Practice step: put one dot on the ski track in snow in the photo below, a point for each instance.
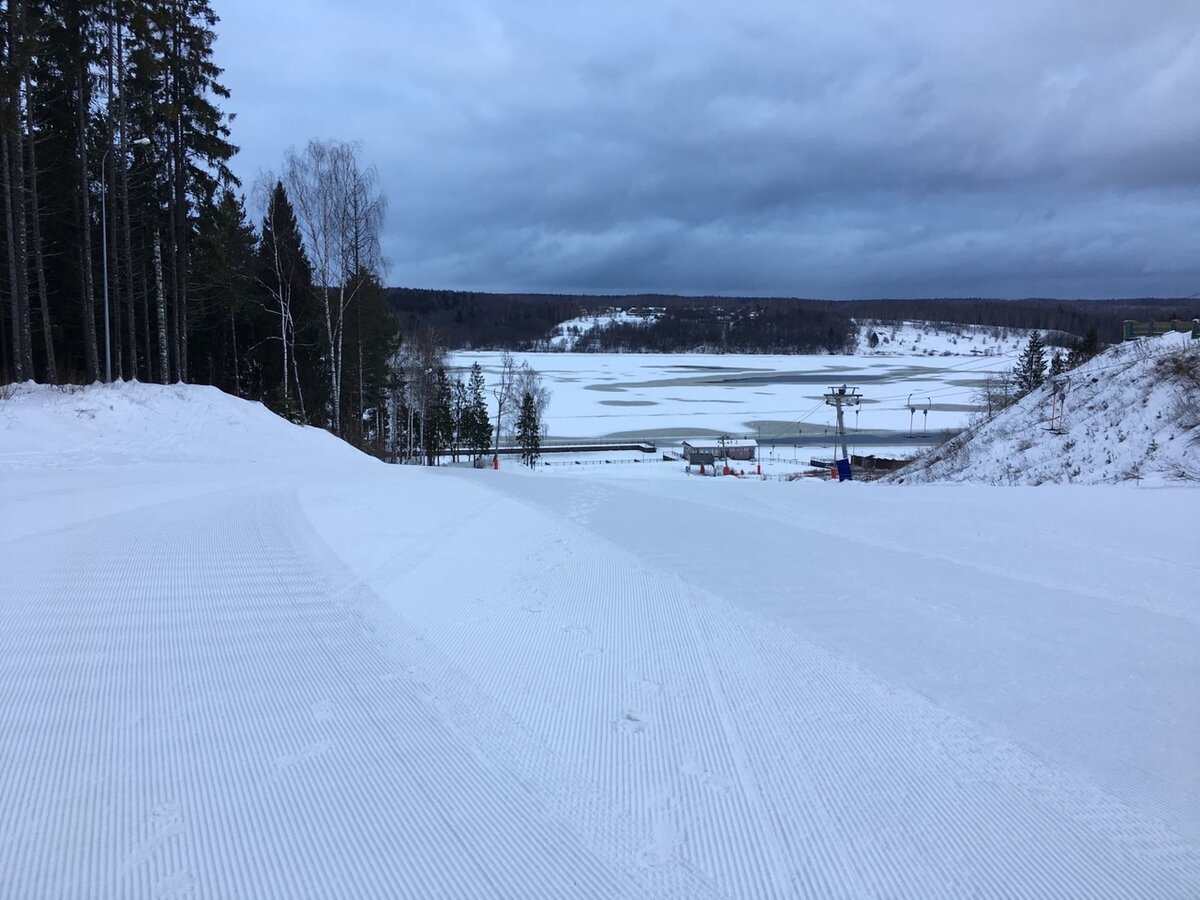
(852, 786)
(237, 733)
(332, 680)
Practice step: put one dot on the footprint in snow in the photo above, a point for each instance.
(646, 685)
(310, 751)
(322, 711)
(630, 723)
(181, 884)
(165, 819)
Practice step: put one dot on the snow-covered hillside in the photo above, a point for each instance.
(121, 424)
(238, 659)
(566, 334)
(1131, 414)
(937, 339)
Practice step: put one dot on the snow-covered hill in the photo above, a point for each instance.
(904, 338)
(122, 424)
(566, 334)
(1132, 414)
(239, 659)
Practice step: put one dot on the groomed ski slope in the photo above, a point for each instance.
(238, 659)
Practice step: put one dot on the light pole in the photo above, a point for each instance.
(140, 142)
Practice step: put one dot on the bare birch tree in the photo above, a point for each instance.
(339, 211)
(505, 393)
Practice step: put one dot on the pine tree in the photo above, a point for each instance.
(286, 276)
(438, 426)
(480, 433)
(529, 430)
(228, 309)
(1057, 364)
(1084, 349)
(1030, 372)
(460, 413)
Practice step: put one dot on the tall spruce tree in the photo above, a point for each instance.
(1084, 349)
(529, 430)
(1057, 364)
(479, 434)
(1030, 372)
(227, 309)
(286, 276)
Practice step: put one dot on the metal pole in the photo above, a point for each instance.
(104, 257)
(841, 425)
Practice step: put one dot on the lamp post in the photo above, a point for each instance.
(140, 142)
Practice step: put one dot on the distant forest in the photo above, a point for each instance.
(482, 321)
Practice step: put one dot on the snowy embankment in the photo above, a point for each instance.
(238, 659)
(903, 338)
(1132, 414)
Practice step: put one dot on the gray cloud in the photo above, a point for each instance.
(1041, 147)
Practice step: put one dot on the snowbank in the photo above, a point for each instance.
(128, 423)
(1131, 414)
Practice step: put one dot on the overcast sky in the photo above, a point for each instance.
(862, 148)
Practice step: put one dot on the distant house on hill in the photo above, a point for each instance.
(727, 448)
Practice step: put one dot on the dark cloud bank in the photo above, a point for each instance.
(858, 149)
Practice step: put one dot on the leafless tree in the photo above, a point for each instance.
(507, 400)
(420, 361)
(340, 212)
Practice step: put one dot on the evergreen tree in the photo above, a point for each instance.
(228, 310)
(293, 381)
(479, 436)
(372, 337)
(1084, 349)
(438, 425)
(1030, 372)
(460, 413)
(529, 430)
(1057, 364)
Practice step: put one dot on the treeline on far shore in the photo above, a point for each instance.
(472, 320)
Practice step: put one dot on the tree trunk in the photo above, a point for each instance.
(88, 291)
(14, 302)
(126, 221)
(334, 398)
(19, 237)
(149, 367)
(110, 218)
(176, 330)
(237, 371)
(39, 259)
(164, 364)
(180, 219)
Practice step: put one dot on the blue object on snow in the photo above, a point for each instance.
(843, 469)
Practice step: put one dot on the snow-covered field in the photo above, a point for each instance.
(674, 396)
(237, 659)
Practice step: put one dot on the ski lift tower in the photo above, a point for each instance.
(840, 398)
(1060, 385)
(913, 409)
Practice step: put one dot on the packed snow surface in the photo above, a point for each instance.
(1132, 414)
(238, 659)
